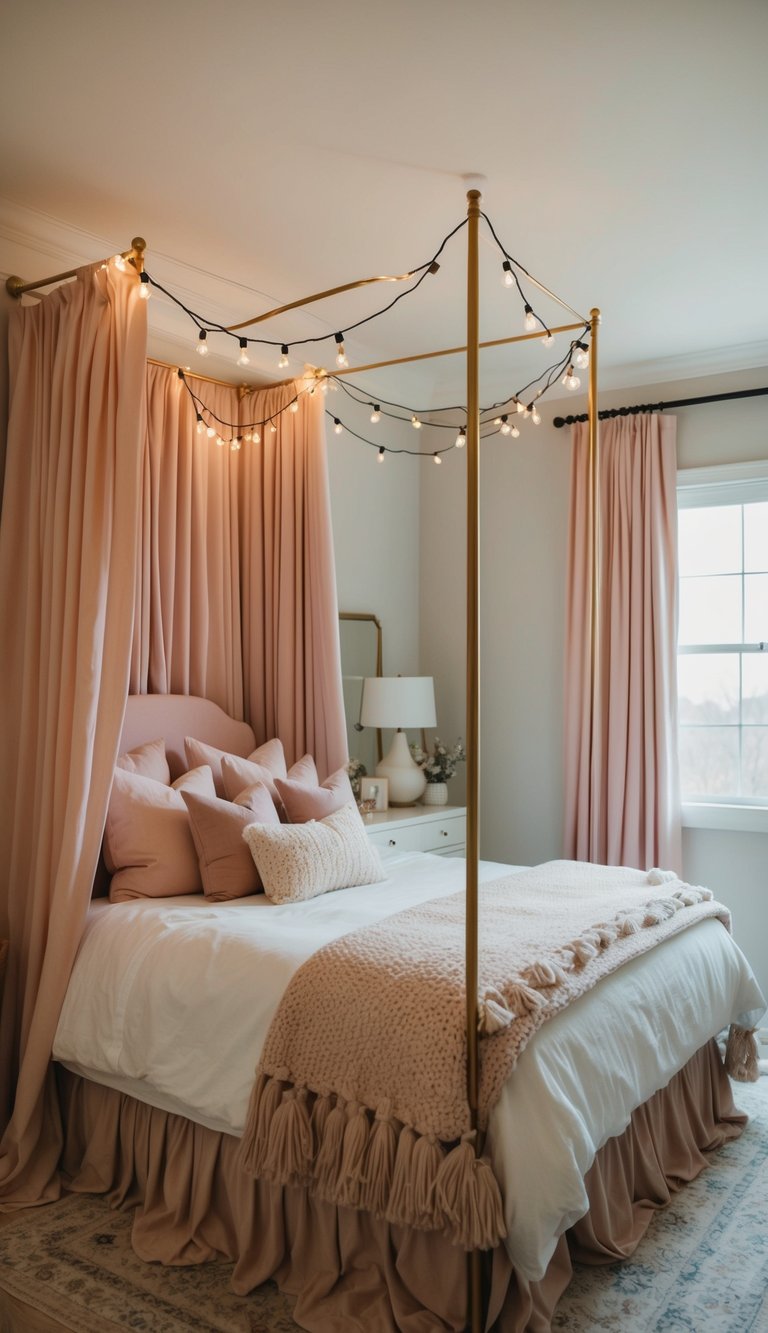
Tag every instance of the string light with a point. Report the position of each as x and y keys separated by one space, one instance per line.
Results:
x=437 y=458
x=536 y=417
x=283 y=362
x=200 y=425
x=508 y=277
x=236 y=444
x=294 y=407
x=248 y=437
x=375 y=414
x=256 y=437
x=548 y=339
x=219 y=441
x=337 y=426
x=202 y=345
x=243 y=359
x=415 y=422
x=530 y=318
x=210 y=432
x=341 y=356
x=514 y=432
x=272 y=428
x=570 y=380
x=382 y=452
x=581 y=358
x=505 y=426
x=461 y=438
x=520 y=407
x=145 y=291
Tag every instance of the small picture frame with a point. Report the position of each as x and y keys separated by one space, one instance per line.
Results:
x=376 y=790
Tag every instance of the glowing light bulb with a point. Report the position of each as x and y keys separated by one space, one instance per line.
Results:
x=581 y=358
x=145 y=291
x=333 y=386
x=536 y=417
x=530 y=319
x=514 y=432
x=272 y=428
x=519 y=407
x=461 y=438
x=497 y=422
x=341 y=356
x=248 y=437
x=219 y=441
x=382 y=451
x=508 y=277
x=210 y=432
x=294 y=407
x=119 y=263
x=337 y=426
x=283 y=362
x=375 y=414
x=200 y=425
x=202 y=344
x=236 y=444
x=243 y=359
x=570 y=380
x=505 y=426
x=547 y=339
x=415 y=423
x=256 y=437
x=437 y=458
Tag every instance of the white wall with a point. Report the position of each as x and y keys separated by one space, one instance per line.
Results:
x=524 y=507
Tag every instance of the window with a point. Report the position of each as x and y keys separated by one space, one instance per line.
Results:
x=723 y=645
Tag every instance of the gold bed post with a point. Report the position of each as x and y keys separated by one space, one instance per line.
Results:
x=595 y=740
x=475 y=1311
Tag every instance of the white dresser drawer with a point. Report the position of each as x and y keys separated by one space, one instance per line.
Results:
x=409 y=838
x=445 y=835
x=428 y=831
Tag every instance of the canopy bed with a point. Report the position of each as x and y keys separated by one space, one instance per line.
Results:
x=217 y=1168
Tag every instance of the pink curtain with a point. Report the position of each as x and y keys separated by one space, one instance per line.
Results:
x=67 y=571
x=236 y=588
x=621 y=770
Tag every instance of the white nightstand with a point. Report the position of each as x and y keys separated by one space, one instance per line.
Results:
x=420 y=828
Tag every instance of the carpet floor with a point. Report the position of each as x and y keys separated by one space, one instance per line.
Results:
x=702 y=1267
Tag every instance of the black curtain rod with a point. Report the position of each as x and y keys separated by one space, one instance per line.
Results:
x=660 y=407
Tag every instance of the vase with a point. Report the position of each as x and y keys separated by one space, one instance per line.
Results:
x=435 y=793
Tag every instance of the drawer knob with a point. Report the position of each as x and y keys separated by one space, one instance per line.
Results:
x=443 y=833
x=393 y=842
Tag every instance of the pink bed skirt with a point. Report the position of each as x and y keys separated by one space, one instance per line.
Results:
x=346 y=1269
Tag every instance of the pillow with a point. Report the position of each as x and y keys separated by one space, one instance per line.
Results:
x=239 y=774
x=269 y=756
x=148 y=761
x=148 y=840
x=302 y=802
x=300 y=861
x=227 y=868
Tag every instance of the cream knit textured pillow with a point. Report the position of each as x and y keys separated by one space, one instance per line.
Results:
x=300 y=861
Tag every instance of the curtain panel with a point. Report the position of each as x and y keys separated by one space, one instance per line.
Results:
x=622 y=804
x=68 y=542
x=236 y=585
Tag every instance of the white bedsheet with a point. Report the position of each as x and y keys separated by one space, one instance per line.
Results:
x=170 y=1001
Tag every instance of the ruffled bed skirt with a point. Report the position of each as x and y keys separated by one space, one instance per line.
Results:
x=347 y=1270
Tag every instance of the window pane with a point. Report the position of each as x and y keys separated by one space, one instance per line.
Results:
x=756 y=608
x=756 y=537
x=709 y=761
x=709 y=540
x=710 y=609
x=708 y=687
x=754 y=761
x=755 y=687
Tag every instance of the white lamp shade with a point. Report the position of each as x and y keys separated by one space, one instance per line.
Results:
x=398 y=701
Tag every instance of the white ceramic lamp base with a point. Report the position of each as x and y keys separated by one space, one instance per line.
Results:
x=406 y=780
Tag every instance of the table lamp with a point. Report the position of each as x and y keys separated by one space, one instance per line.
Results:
x=399 y=702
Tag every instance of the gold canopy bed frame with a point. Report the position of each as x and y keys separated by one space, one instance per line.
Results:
x=135 y=256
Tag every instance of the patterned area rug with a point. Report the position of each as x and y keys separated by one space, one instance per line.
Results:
x=702 y=1268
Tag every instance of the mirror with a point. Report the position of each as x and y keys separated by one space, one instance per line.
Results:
x=361 y=656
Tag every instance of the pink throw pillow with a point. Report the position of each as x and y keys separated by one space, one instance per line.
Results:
x=227 y=868
x=148 y=761
x=303 y=803
x=148 y=839
x=269 y=756
x=239 y=774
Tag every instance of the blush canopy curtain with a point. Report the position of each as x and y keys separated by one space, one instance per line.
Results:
x=236 y=592
x=67 y=560
x=622 y=802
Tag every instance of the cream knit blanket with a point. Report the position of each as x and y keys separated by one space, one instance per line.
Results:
x=361 y=1088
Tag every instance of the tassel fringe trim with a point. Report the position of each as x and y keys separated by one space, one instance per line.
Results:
x=346 y=1155
x=741 y=1055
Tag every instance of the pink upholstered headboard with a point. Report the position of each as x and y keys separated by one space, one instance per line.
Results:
x=174 y=716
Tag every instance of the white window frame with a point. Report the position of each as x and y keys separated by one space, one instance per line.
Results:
x=697 y=488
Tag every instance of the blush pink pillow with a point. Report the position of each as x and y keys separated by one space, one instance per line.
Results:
x=148 y=840
x=148 y=761
x=238 y=774
x=269 y=757
x=227 y=868
x=302 y=803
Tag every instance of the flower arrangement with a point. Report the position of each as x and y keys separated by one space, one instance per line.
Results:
x=356 y=770
x=439 y=764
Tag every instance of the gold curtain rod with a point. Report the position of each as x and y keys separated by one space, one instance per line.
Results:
x=452 y=351
x=242 y=389
x=319 y=296
x=16 y=286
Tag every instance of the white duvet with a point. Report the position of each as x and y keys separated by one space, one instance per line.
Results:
x=170 y=1000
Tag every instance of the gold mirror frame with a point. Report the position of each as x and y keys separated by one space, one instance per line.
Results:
x=368 y=615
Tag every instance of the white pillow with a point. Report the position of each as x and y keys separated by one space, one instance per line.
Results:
x=300 y=861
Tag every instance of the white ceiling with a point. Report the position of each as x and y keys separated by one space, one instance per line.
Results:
x=270 y=150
